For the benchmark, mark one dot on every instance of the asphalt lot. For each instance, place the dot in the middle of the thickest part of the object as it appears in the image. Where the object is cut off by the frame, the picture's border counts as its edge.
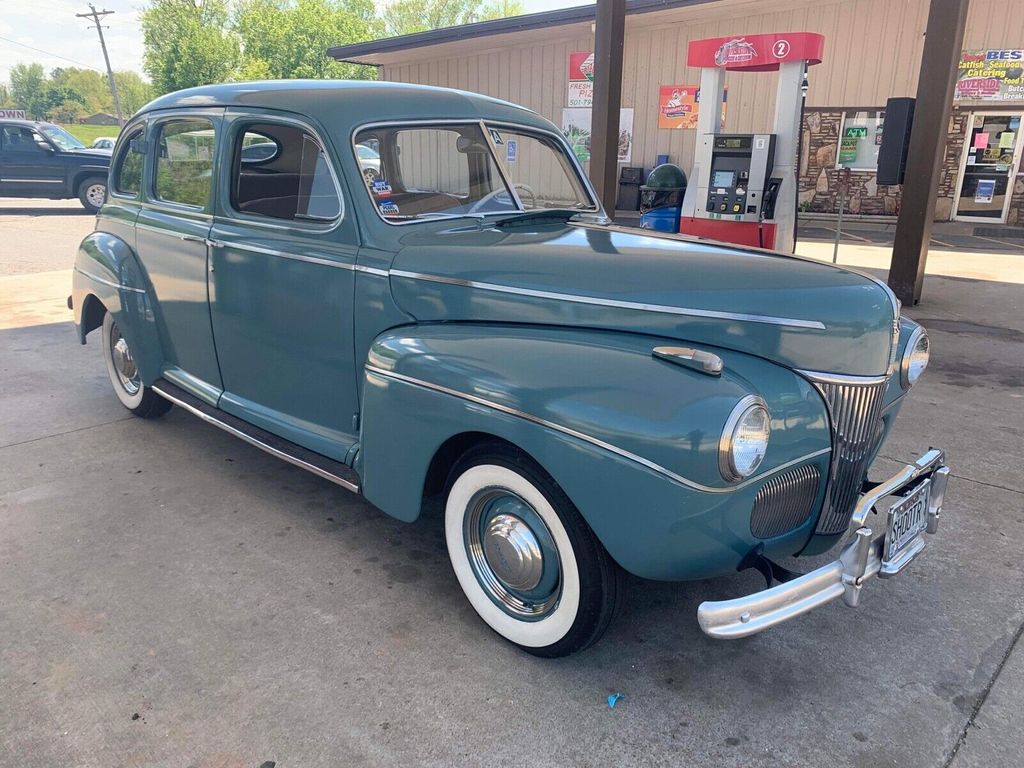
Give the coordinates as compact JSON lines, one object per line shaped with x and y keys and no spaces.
{"x":172,"y":597}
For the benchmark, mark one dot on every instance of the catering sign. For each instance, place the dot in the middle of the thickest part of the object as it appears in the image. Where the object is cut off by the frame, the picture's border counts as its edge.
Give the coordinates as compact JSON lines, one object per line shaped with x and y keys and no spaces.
{"x":581,"y":79}
{"x":992,"y":75}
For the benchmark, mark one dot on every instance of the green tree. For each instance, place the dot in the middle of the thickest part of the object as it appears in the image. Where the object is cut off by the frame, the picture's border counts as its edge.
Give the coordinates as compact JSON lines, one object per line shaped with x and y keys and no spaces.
{"x":403,"y":17}
{"x":133,"y":91}
{"x":500,"y":9}
{"x":5,"y":96}
{"x":28,"y":89}
{"x":87,"y":86}
{"x":188,"y":43}
{"x":284,"y":39}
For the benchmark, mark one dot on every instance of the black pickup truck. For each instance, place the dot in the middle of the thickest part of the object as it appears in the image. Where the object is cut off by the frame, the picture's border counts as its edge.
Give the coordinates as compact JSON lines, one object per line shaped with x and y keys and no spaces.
{"x":44,"y":160}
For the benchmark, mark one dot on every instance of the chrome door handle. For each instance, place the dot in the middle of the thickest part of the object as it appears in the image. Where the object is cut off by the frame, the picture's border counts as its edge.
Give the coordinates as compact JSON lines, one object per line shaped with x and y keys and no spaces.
{"x":193,"y":239}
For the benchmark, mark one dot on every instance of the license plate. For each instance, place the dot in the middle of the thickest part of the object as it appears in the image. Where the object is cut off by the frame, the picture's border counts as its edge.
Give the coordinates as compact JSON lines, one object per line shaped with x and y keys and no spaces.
{"x":907,"y":518}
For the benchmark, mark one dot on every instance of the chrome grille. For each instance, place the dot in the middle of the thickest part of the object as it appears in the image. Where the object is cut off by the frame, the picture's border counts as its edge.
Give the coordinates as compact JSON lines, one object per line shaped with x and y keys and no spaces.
{"x":784,"y":502}
{"x":856,"y":410}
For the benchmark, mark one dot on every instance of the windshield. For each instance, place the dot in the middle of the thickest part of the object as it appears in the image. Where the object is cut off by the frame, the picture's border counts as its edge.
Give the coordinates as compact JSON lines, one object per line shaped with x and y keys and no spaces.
{"x":429,"y":171}
{"x":61,"y":138}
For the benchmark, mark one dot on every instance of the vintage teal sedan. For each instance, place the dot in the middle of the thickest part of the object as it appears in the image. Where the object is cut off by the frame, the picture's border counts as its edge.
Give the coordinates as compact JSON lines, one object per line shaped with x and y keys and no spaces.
{"x":413,"y":292}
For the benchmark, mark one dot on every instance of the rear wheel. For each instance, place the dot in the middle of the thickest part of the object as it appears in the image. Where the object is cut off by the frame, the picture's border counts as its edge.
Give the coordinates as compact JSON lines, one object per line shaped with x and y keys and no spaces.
{"x":527,"y":561}
{"x":125,"y":377}
{"x":92,"y":192}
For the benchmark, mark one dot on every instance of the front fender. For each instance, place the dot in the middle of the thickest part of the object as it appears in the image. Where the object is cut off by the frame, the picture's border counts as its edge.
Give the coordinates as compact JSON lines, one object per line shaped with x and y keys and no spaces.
{"x":632,"y":439}
{"x":107,"y":270}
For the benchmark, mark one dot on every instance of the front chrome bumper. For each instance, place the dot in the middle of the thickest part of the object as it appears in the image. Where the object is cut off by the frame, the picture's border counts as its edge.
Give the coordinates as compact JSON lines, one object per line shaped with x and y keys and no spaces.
{"x":845,"y":577}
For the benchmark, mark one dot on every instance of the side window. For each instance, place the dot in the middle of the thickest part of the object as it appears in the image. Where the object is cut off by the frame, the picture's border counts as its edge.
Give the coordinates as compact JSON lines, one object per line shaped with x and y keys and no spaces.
{"x":281,"y":172}
{"x":18,"y":138}
{"x":184,"y":162}
{"x":127,"y":176}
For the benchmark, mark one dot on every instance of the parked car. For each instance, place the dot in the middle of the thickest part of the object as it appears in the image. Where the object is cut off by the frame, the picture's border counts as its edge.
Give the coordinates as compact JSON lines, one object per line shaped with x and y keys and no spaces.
{"x":369,"y":162}
{"x":581,"y":398}
{"x":104,"y":142}
{"x":44,"y":160}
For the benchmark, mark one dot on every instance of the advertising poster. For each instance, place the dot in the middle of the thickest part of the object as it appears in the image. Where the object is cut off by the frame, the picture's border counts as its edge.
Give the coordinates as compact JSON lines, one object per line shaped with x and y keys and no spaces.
{"x":576,"y":123}
{"x":679,"y":106}
{"x":985,"y":191}
{"x":994,"y":75}
{"x":581,"y":79}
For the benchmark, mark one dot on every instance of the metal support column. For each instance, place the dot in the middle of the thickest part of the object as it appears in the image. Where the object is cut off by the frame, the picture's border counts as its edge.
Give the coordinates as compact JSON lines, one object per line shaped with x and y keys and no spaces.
{"x":609,"y":38}
{"x":944,"y":38}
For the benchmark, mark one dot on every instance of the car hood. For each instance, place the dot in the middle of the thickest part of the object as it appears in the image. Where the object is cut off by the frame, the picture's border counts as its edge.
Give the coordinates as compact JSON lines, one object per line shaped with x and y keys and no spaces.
{"x":797,"y":312}
{"x":92,"y":154}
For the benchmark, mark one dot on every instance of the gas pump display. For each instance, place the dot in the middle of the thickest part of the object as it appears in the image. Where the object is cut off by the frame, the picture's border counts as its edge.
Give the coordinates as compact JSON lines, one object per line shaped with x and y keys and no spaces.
{"x":738,"y":177}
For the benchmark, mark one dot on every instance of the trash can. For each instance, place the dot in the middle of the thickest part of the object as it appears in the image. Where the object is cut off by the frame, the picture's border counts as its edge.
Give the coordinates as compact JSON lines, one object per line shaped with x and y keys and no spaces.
{"x":630,"y":179}
{"x":661,"y":198}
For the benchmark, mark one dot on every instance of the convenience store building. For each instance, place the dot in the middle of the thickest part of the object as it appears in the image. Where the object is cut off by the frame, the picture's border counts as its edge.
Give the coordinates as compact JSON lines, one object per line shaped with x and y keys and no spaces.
{"x":872,"y":52}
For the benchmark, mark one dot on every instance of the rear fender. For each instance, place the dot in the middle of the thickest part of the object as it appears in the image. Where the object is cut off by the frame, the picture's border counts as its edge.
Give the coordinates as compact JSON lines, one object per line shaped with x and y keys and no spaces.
{"x":107,"y":271}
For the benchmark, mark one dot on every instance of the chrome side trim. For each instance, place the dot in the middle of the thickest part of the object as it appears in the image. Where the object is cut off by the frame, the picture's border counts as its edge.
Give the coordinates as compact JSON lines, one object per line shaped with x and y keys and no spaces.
{"x":842,"y":379}
{"x":371,"y":270}
{"x":32,"y":181}
{"x":861,"y":560}
{"x":374,"y":371}
{"x":111,"y":283}
{"x":595,"y":301}
{"x":283,"y":254}
{"x":259,"y":444}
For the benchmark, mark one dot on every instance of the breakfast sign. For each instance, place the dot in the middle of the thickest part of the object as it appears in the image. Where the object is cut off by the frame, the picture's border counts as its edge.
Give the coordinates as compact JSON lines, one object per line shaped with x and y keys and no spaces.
{"x":993,"y":75}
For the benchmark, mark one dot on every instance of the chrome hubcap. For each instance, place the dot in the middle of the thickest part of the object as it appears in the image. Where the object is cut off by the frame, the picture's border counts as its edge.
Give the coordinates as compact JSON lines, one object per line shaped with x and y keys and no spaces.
{"x":124,"y":363}
{"x":95,"y":193}
{"x":513,"y":554}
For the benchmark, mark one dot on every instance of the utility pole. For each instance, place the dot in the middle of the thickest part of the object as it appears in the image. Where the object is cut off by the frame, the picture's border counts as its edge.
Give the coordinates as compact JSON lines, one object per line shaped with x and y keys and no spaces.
{"x":95,"y":16}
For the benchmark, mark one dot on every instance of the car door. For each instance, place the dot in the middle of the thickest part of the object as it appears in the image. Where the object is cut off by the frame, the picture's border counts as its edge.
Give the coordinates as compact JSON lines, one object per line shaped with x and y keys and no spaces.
{"x":281,"y":290}
{"x":172,"y":232}
{"x":29,"y":165}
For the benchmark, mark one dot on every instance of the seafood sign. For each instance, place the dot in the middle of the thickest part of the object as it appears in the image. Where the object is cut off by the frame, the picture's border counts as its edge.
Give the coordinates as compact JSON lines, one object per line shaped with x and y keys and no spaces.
{"x":993,"y":75}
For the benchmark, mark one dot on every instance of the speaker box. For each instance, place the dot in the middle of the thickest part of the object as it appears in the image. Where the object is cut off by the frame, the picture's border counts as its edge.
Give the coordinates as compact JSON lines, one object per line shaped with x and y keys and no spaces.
{"x":892,"y":155}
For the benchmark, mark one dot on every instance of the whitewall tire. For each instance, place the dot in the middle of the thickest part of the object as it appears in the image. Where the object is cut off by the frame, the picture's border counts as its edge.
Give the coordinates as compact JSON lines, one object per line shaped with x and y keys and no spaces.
{"x":527,"y":561}
{"x":124,"y":375}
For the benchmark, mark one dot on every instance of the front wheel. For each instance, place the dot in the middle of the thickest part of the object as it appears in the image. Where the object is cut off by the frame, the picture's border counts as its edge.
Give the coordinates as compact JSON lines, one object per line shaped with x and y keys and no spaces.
{"x":528,"y":562}
{"x":92,"y":192}
{"x":125,"y":377}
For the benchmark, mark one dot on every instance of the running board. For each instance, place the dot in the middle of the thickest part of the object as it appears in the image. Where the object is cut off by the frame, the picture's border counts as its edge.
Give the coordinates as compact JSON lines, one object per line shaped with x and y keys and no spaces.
{"x":318,"y":464}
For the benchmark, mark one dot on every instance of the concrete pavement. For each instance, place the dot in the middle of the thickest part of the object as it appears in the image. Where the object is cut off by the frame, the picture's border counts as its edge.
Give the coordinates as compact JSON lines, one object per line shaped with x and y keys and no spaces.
{"x":170,"y":596}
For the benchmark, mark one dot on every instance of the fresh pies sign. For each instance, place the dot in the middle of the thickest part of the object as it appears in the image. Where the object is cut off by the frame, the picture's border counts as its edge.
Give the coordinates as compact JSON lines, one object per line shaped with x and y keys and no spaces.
{"x":581,"y":79}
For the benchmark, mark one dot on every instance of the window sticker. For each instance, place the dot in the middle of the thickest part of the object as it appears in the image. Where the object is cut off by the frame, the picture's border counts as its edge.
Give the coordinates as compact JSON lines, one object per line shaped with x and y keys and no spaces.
{"x":496,"y":136}
{"x":381,"y":188}
{"x":388,"y":207}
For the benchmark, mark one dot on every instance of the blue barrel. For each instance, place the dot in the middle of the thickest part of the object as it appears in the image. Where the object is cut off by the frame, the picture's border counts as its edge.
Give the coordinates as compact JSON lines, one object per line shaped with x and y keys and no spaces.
{"x":661,"y":219}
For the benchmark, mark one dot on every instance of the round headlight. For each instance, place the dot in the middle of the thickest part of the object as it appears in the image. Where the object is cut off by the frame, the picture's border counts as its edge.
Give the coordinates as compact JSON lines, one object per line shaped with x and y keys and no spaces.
{"x":915,"y":358}
{"x":744,"y":439}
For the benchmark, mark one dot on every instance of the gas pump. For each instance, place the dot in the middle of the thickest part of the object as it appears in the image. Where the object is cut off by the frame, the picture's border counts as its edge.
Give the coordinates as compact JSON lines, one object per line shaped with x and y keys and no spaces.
{"x":743,"y":188}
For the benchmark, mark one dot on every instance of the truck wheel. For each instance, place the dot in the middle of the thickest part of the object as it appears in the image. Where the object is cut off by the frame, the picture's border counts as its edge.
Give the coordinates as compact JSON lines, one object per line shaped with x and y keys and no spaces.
{"x":92,"y":192}
{"x":124,"y":375}
{"x":528,"y":562}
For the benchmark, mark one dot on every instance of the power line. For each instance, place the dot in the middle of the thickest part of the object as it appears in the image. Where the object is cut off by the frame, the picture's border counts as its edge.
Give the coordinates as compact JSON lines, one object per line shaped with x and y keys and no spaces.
{"x":48,"y":53}
{"x":95,"y":16}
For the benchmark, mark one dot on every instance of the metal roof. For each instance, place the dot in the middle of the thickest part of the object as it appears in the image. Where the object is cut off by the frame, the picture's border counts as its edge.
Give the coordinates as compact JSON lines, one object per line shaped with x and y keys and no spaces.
{"x":359,"y":53}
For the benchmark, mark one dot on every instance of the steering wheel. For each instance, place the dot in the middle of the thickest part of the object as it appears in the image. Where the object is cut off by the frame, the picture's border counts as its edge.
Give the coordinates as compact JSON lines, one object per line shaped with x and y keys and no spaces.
{"x":520,"y":188}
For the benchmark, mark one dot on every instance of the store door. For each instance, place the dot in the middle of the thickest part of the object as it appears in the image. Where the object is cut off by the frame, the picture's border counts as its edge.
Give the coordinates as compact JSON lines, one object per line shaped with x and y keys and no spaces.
{"x":990,"y":163}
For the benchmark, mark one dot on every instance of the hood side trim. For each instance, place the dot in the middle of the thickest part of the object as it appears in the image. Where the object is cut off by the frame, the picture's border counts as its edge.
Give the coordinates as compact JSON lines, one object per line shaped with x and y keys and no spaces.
{"x":596,"y":301}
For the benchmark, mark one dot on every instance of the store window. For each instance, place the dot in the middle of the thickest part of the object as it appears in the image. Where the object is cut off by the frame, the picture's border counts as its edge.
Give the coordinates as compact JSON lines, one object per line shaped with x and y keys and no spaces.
{"x":860,"y":138}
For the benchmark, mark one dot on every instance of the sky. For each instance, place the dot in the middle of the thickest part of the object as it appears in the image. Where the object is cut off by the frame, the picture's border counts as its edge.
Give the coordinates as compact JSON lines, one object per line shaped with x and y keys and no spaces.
{"x":63,"y":40}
